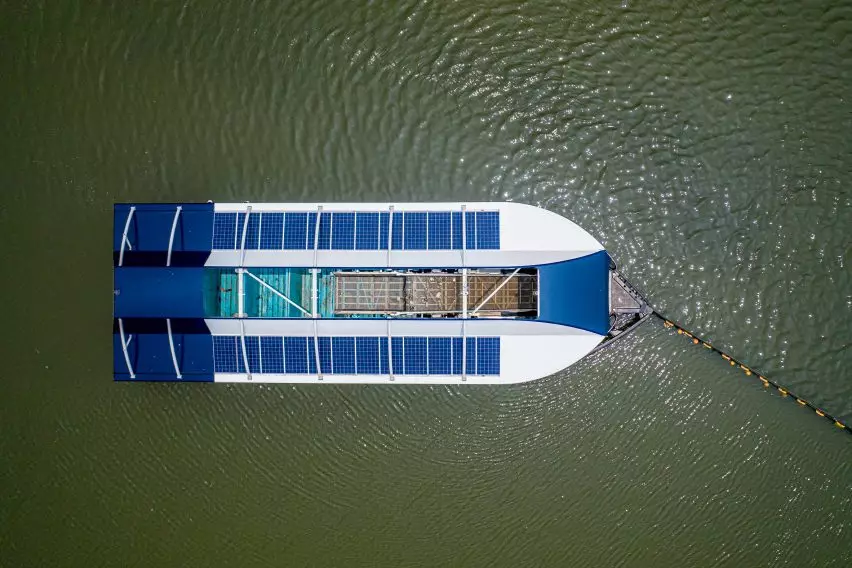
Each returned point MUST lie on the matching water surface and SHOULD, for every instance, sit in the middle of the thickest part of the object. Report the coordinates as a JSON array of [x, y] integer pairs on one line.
[[705, 144]]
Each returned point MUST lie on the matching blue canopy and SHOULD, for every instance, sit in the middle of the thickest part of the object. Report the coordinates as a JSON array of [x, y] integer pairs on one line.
[[576, 293]]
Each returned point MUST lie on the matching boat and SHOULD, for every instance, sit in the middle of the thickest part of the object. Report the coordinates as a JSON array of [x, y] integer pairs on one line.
[[426, 293]]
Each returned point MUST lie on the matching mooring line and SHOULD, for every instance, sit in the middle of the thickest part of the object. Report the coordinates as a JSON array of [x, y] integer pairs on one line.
[[784, 392]]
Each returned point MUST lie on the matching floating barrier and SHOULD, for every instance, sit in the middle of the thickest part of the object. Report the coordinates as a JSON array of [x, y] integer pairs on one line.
[[784, 392]]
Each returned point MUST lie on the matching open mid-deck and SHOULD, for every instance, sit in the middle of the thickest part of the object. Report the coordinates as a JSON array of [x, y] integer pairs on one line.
[[359, 292]]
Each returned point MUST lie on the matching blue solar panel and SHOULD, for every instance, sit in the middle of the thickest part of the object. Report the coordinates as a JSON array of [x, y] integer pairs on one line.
[[296, 356], [312, 230], [272, 354], [271, 230], [295, 231], [325, 355], [396, 237], [325, 232], [252, 354], [415, 353], [369, 355], [470, 356], [343, 349], [225, 354], [224, 230], [367, 232], [456, 348], [415, 230], [440, 232], [440, 356], [456, 240], [343, 231], [487, 230], [470, 230], [384, 220], [488, 355], [363, 355], [397, 356], [252, 230]]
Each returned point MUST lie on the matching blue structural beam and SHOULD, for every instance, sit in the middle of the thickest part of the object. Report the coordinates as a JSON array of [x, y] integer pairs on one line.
[[146, 292], [576, 293]]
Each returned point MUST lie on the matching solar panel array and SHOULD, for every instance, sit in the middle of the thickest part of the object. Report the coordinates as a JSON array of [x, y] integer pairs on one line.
[[357, 355], [412, 230]]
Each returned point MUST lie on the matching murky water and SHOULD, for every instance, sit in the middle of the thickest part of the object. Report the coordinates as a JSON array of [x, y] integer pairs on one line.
[[706, 144]]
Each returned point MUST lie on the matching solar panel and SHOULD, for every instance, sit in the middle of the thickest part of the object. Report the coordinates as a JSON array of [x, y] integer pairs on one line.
[[415, 231], [397, 356], [325, 232], [272, 354], [271, 231], [396, 237], [456, 240], [369, 355], [416, 356], [362, 355], [487, 230], [253, 355], [325, 355], [384, 221], [367, 236], [440, 230], [224, 230], [296, 356], [295, 231], [470, 230], [456, 348], [224, 354], [252, 230], [412, 230], [312, 230], [470, 356], [343, 349], [440, 355], [343, 231]]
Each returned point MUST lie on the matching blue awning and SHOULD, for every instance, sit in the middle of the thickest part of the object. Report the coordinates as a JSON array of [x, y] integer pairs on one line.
[[576, 293]]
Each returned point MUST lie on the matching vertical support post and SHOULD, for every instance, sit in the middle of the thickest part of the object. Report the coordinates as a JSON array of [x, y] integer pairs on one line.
[[124, 343], [243, 243], [172, 345], [314, 293], [124, 240], [316, 234], [316, 352], [245, 351], [172, 236], [241, 293]]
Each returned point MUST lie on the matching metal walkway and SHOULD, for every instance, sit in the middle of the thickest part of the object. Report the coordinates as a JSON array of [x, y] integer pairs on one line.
[[433, 293]]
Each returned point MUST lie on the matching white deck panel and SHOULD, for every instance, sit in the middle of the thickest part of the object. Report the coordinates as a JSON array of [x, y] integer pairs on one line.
[[528, 235]]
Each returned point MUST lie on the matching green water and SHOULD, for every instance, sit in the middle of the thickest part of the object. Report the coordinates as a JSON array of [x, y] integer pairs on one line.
[[706, 144]]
